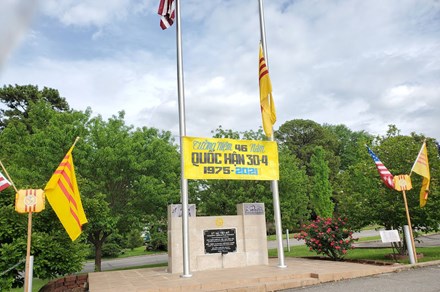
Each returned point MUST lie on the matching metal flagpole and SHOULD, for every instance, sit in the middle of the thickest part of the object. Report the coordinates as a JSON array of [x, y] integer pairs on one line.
[[274, 183], [182, 130]]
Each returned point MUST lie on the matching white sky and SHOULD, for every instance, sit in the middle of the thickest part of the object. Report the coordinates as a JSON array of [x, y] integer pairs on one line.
[[365, 64]]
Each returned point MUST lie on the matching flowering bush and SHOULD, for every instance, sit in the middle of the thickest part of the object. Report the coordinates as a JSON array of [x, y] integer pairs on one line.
[[330, 237]]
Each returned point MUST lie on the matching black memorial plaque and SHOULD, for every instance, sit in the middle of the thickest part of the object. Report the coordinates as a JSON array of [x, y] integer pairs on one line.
[[220, 240]]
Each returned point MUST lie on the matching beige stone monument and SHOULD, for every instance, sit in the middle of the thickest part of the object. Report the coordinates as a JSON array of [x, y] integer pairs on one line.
[[218, 242]]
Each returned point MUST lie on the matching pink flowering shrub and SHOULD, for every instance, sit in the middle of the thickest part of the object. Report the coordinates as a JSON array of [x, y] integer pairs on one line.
[[330, 237]]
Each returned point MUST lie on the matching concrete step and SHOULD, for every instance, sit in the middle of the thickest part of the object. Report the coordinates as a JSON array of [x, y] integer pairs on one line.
[[274, 283]]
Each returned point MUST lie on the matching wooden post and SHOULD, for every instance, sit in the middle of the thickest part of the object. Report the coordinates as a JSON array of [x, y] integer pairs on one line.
[[28, 253], [409, 226]]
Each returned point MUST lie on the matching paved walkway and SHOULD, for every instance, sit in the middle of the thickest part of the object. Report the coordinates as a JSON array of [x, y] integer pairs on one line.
[[298, 273]]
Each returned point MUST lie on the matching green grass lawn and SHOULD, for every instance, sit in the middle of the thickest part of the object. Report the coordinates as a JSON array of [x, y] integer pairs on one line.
[[370, 227], [138, 251], [376, 254], [368, 238], [36, 285]]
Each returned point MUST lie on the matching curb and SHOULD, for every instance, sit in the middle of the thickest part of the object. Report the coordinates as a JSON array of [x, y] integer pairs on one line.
[[416, 266]]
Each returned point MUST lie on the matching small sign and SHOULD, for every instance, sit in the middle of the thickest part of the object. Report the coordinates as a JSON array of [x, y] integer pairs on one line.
[[253, 208], [220, 240], [176, 210], [389, 236]]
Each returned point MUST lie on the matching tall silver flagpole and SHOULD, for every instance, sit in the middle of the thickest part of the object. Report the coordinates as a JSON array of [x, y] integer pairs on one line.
[[182, 130], [274, 183]]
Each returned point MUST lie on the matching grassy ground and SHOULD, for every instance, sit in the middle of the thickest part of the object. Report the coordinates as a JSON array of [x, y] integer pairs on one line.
[[36, 285], [377, 254], [138, 251]]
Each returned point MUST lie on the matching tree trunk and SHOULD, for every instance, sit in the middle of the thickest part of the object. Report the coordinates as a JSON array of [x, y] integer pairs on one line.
[[98, 255]]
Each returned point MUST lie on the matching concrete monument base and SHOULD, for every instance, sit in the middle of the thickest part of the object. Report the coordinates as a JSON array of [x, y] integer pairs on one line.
[[218, 242]]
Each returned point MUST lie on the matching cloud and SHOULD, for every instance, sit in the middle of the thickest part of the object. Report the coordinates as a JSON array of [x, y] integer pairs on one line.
[[87, 12], [365, 64]]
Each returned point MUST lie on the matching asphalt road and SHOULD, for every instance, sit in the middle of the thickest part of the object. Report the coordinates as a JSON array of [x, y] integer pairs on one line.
[[424, 279], [114, 264]]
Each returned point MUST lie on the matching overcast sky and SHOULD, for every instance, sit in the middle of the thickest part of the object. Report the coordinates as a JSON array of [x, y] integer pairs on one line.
[[365, 64]]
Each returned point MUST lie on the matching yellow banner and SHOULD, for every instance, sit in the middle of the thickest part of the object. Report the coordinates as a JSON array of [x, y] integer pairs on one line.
[[212, 158]]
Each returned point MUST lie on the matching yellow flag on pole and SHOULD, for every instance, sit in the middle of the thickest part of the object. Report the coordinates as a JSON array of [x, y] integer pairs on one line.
[[421, 167], [266, 100], [63, 195]]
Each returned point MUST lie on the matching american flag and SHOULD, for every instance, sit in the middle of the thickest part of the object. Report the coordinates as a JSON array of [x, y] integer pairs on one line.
[[384, 173], [167, 12], [4, 183]]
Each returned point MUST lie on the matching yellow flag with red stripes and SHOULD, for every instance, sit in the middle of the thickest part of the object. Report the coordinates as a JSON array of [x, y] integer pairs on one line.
[[268, 113], [63, 195], [421, 167]]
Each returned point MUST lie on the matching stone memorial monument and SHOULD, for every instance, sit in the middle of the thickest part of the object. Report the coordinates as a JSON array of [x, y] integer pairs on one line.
[[217, 242]]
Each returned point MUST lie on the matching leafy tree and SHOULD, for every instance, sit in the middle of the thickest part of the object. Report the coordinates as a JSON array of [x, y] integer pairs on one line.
[[18, 99], [132, 173], [101, 224], [364, 199], [302, 136], [31, 158], [220, 197], [293, 186], [321, 191], [348, 149], [136, 170]]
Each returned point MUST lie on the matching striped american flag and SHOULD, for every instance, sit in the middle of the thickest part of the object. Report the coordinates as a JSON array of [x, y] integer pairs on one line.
[[167, 12], [4, 183], [384, 173]]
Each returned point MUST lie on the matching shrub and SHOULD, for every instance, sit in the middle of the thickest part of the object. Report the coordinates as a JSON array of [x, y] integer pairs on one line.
[[111, 250], [330, 237], [134, 239], [158, 242]]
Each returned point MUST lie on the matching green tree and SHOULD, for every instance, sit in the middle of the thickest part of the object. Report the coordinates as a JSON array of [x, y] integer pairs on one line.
[[137, 171], [18, 98], [220, 197], [293, 185], [364, 199], [321, 190], [31, 158], [101, 224], [302, 136], [348, 149]]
